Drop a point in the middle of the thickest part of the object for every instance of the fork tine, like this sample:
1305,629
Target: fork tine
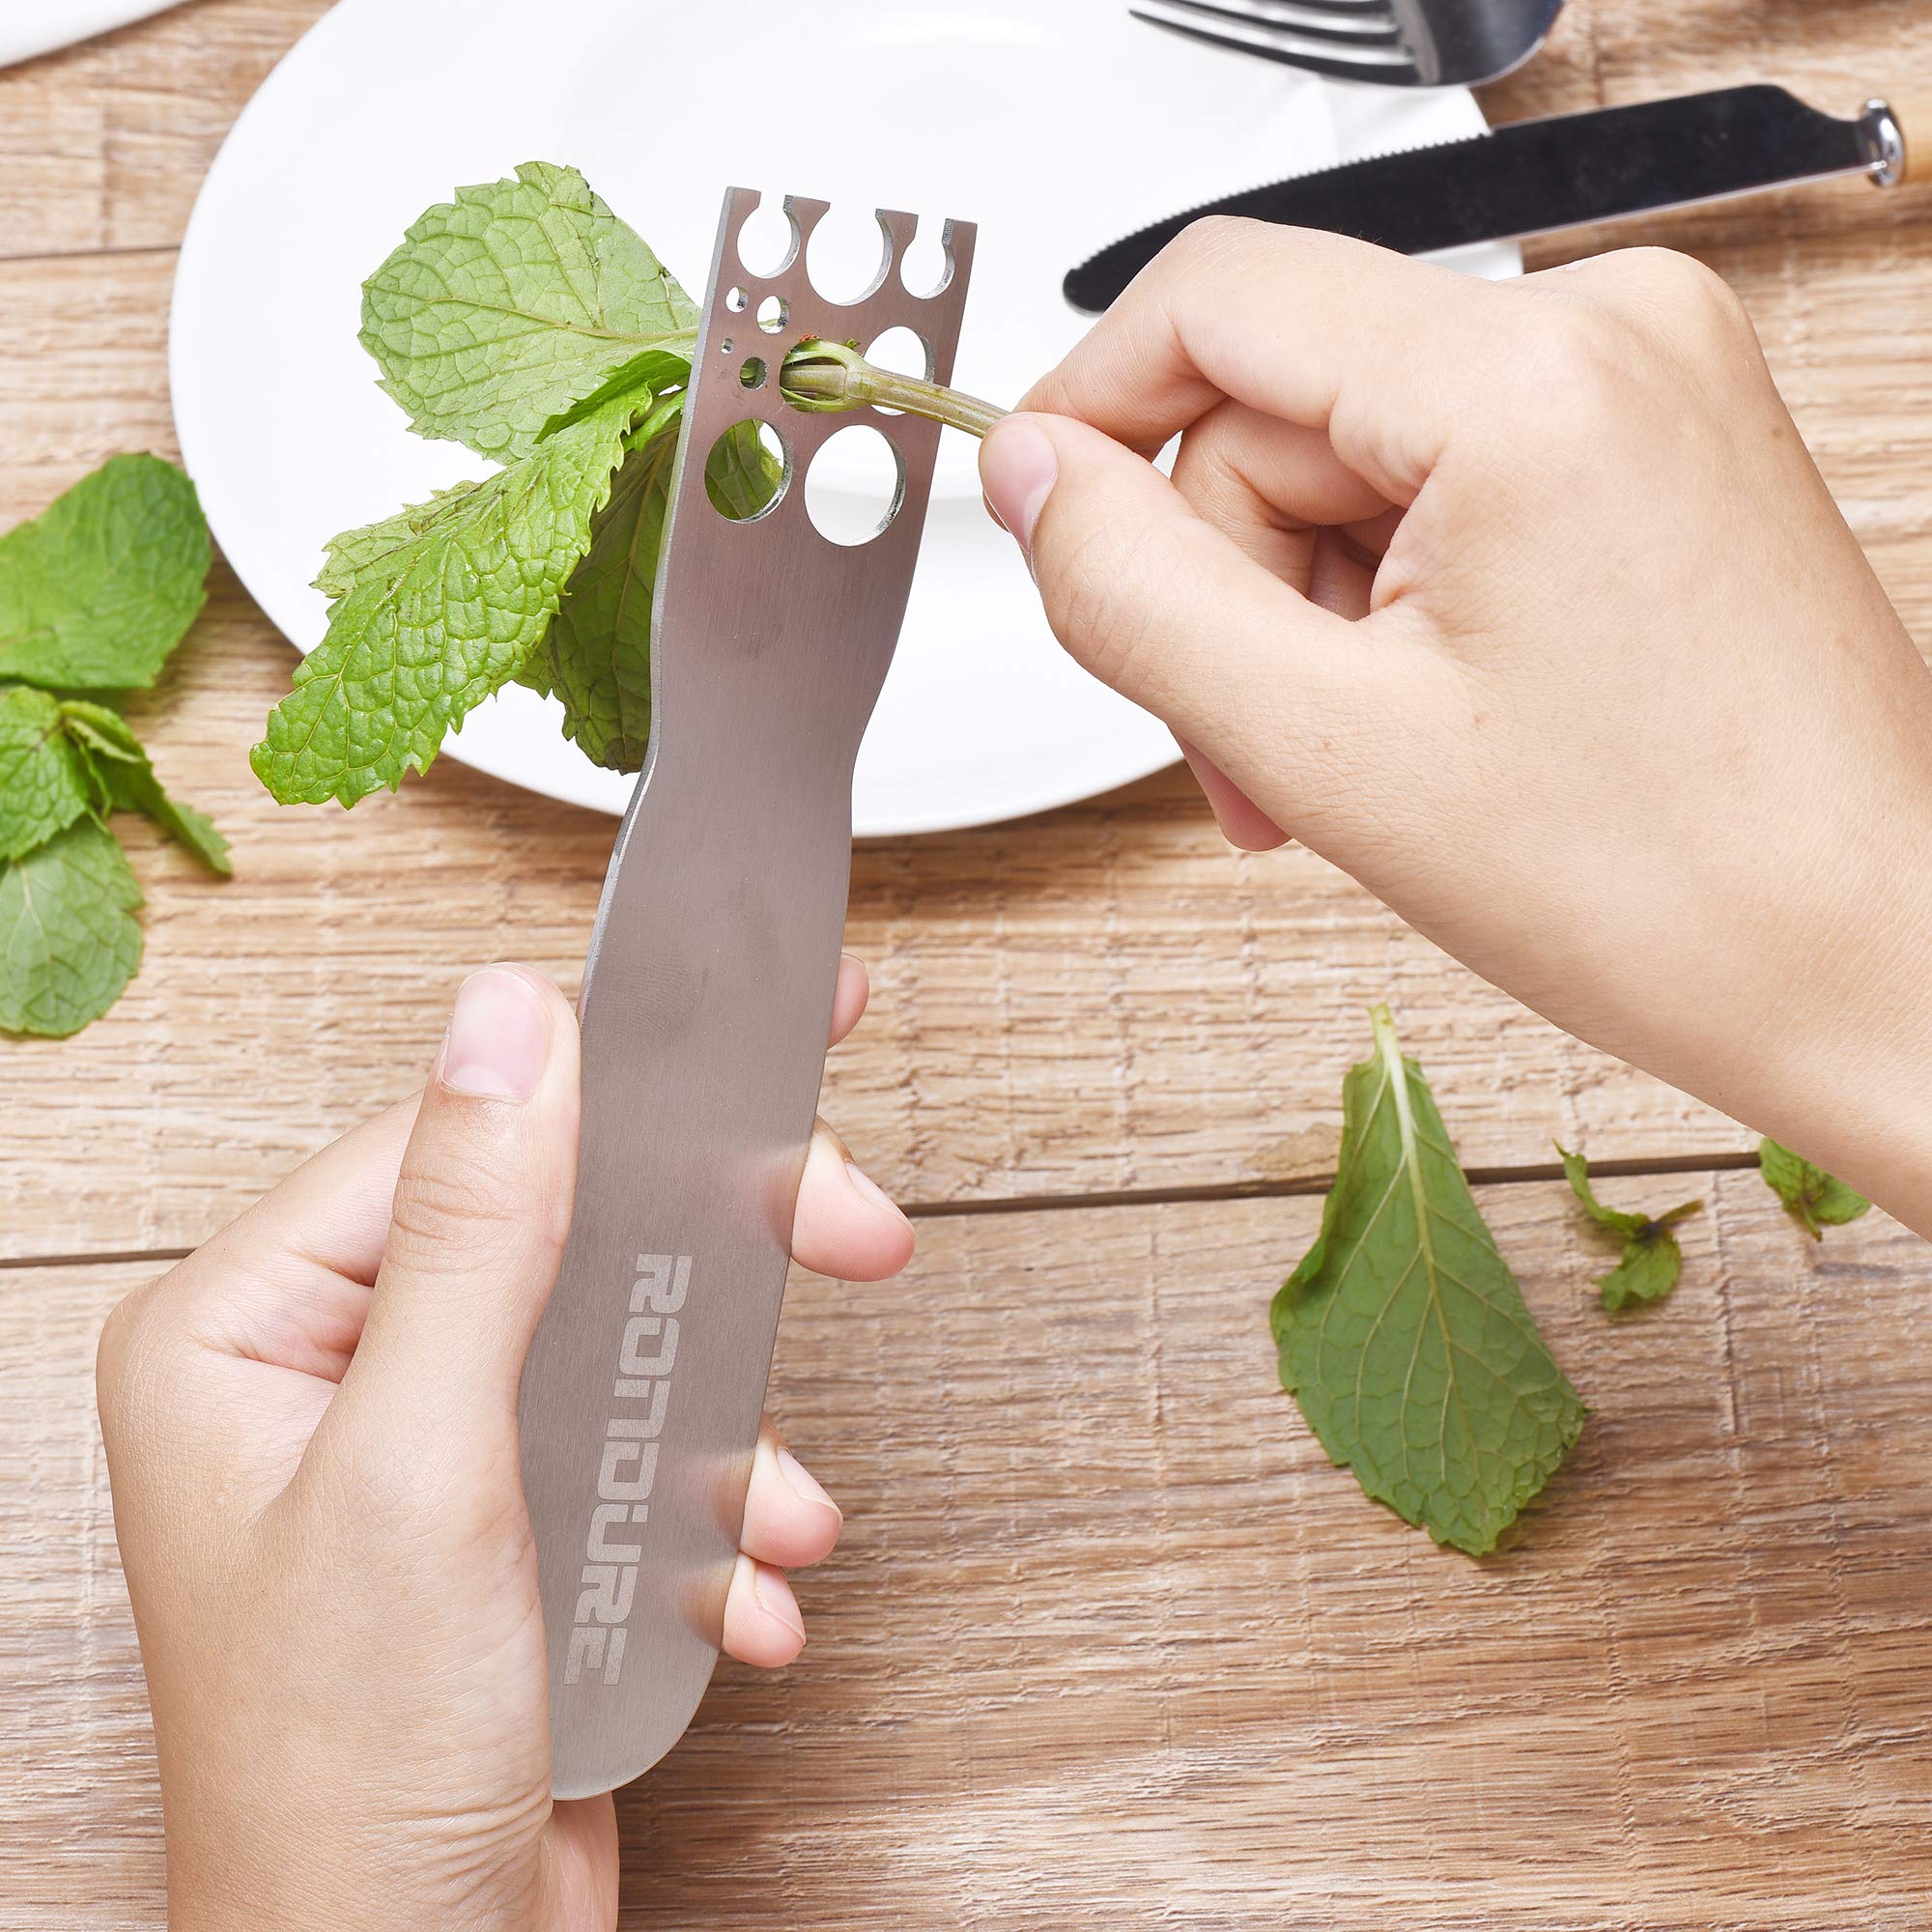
1371,24
1385,64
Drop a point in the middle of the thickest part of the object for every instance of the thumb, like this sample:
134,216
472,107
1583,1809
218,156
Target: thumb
482,1208
1156,602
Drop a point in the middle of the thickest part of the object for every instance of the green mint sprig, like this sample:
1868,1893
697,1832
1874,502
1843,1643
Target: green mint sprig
526,321
95,594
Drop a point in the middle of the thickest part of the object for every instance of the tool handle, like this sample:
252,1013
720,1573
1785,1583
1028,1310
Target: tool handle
704,1012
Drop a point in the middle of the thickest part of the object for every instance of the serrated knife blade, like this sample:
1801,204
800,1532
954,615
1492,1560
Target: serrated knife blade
1532,176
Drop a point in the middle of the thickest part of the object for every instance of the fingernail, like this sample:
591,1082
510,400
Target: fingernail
775,1600
868,1189
499,1038
803,1484
1019,469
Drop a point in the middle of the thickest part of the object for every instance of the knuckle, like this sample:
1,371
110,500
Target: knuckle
1578,365
140,1357
1089,601
1676,283
470,1209
1683,311
1213,237
1209,249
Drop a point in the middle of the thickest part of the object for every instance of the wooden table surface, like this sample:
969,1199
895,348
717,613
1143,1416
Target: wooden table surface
1107,1642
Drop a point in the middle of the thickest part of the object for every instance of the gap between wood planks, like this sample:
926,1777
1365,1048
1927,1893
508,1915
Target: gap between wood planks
1133,1197
120,250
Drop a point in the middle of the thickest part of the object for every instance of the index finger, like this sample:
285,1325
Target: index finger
1382,352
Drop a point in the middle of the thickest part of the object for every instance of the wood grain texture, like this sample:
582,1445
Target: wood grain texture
1108,1642
1101,1000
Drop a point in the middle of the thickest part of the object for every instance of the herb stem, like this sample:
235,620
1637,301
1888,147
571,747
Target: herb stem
830,376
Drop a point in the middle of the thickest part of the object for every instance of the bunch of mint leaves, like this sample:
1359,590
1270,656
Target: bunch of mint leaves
1403,1337
524,321
95,594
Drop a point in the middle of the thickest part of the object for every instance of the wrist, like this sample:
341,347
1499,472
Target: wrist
1834,1055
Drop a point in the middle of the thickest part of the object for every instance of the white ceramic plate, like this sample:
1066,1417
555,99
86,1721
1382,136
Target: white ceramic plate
1057,128
31,27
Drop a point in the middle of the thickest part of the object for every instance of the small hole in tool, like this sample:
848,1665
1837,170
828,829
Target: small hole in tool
773,312
751,370
747,470
735,301
726,346
768,239
928,264
855,485
903,350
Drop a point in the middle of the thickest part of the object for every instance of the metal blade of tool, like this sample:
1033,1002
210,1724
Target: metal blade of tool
707,996
1530,177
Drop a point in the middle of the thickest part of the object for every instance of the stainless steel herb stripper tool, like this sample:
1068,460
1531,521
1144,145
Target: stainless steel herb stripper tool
707,996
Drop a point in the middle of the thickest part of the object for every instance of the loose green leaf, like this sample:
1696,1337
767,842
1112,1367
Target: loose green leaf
126,779
1652,1260
1814,1199
516,301
68,941
1647,1273
44,784
98,588
427,624
1403,1334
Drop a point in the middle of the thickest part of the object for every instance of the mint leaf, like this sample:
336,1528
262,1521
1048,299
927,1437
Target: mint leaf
1814,1199
68,942
97,589
44,784
1652,1260
512,302
1647,1273
597,655
1403,1334
742,475
347,557
1576,1171
426,626
124,776
643,375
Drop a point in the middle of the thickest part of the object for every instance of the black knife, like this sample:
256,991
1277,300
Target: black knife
1530,177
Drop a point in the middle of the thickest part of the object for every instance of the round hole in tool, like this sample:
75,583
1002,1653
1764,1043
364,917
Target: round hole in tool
773,312
746,472
855,485
751,370
903,350
735,301
724,347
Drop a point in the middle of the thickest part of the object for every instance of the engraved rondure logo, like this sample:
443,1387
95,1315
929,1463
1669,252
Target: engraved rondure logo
627,1469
